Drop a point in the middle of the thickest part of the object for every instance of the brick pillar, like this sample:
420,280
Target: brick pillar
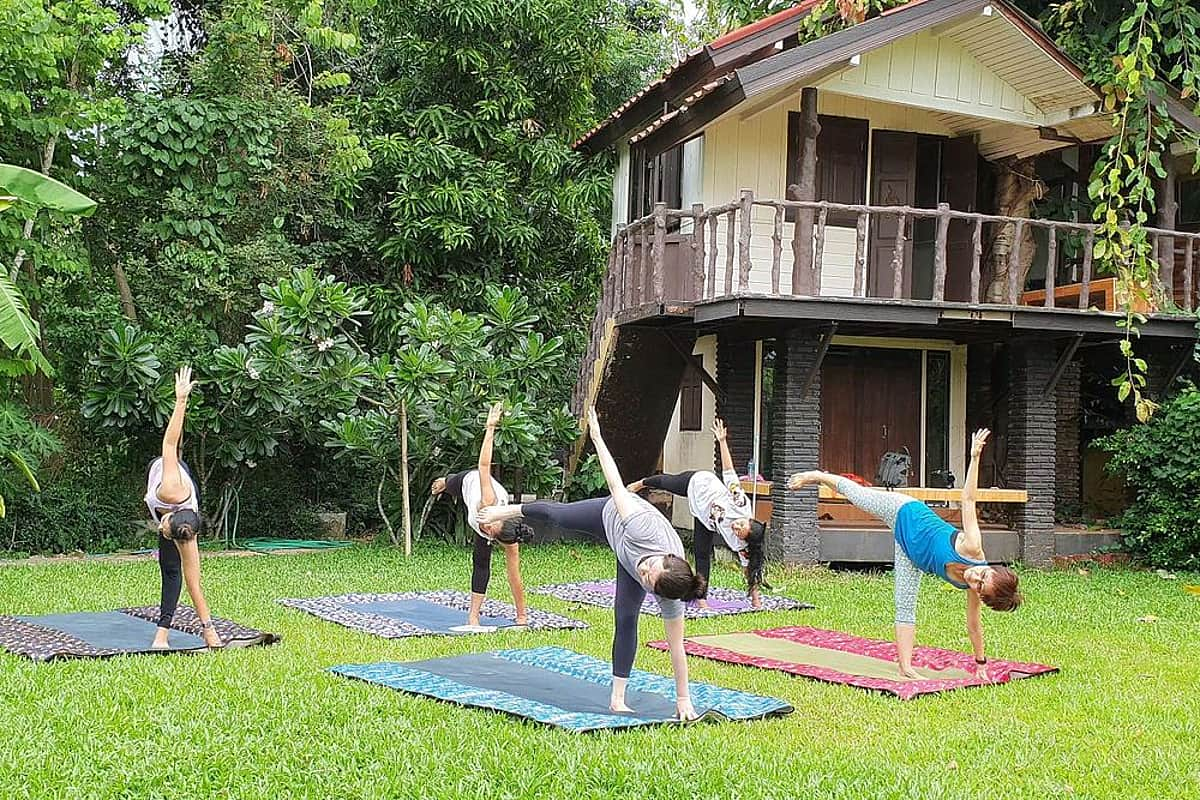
794,536
1068,457
1032,443
735,375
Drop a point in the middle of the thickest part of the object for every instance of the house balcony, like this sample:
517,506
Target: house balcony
878,255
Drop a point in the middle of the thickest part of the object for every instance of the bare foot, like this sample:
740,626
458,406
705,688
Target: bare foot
702,603
522,620
620,708
636,486
473,620
908,672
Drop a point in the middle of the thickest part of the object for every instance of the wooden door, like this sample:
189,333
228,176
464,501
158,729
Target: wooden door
893,183
870,404
960,167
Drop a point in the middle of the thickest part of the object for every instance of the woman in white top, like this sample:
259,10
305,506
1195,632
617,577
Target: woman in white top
477,488
718,505
174,504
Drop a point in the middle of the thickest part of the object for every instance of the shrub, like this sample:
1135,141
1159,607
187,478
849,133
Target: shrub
1160,461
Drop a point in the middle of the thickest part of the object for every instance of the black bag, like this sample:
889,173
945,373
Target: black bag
893,469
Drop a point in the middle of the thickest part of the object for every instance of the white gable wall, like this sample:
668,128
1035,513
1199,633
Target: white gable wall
752,154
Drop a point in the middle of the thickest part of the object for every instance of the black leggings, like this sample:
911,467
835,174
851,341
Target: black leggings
171,568
587,517
481,565
702,537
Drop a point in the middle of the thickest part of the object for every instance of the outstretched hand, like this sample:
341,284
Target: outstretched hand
493,417
801,479
685,710
183,383
593,421
438,486
979,440
636,487
718,430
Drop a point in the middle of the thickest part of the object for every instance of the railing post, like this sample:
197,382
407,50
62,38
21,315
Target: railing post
1014,263
643,259
898,258
819,250
1187,273
860,253
939,252
697,251
1051,265
776,249
1166,265
710,289
660,245
730,248
626,262
976,256
1085,289
747,229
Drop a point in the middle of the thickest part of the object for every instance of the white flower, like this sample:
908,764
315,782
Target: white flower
324,345
251,464
252,372
268,308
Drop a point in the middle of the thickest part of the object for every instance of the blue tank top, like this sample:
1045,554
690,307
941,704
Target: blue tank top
928,540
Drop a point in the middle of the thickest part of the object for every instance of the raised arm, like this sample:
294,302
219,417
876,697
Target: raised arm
972,539
722,437
975,631
487,496
173,488
622,497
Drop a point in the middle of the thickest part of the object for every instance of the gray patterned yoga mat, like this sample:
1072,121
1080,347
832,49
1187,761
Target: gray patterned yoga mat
91,634
437,613
721,601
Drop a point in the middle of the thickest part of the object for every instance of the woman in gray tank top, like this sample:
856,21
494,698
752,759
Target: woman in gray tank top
649,558
174,503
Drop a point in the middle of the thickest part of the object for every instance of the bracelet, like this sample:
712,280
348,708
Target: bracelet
981,661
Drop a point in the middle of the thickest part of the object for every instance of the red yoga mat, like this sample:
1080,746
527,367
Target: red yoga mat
843,658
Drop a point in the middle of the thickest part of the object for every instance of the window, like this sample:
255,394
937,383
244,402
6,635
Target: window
658,179
841,162
691,401
1189,204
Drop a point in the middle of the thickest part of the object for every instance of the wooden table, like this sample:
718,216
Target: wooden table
1102,293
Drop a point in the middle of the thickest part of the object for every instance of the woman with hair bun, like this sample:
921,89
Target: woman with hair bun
174,503
476,488
649,559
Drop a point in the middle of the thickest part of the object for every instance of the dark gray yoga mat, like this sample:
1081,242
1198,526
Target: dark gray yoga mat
433,616
112,630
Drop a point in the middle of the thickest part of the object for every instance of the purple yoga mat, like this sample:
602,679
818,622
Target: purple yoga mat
721,601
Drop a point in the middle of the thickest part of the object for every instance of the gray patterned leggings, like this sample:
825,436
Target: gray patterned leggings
886,506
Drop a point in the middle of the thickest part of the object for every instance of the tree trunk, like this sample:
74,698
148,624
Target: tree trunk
127,305
1016,189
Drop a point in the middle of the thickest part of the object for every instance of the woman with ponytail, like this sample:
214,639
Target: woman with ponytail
649,559
718,505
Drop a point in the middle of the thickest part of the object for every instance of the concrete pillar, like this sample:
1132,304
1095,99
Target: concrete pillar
1032,447
735,375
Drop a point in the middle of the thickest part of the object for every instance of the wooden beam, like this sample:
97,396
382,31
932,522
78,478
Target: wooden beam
822,349
946,495
1186,354
805,189
697,363
1067,354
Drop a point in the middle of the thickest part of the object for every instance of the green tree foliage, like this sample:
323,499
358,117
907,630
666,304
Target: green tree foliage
1160,462
470,107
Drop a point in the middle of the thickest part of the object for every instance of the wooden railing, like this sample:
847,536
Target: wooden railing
698,254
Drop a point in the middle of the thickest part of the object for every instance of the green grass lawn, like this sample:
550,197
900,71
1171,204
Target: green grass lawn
1122,719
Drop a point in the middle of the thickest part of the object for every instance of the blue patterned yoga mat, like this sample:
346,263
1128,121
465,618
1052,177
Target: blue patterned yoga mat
402,614
557,687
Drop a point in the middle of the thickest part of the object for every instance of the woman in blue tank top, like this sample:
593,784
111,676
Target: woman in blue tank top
927,543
